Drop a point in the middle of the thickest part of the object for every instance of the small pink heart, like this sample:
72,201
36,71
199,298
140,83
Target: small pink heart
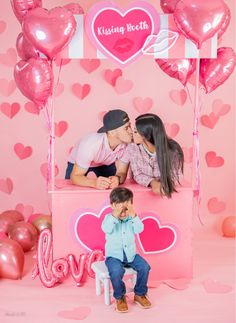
26,210
7,88
23,152
59,89
101,115
9,58
142,105
78,313
179,284
10,110
215,287
60,128
44,170
219,108
111,76
123,86
90,65
212,160
81,90
61,61
188,154
172,129
178,97
32,107
6,185
3,26
215,206
209,120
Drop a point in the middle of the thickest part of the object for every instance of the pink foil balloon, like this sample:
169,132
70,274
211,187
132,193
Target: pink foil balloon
49,31
75,8
168,6
11,259
229,226
215,71
199,20
14,214
34,78
225,25
77,270
96,255
60,268
21,7
24,233
5,223
24,48
181,69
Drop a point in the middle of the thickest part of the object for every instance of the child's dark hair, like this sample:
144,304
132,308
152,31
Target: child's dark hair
120,195
170,157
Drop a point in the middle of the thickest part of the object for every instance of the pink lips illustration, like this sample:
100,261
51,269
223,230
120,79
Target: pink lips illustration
123,45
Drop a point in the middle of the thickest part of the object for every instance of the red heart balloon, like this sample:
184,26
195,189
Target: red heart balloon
21,7
199,20
34,78
49,31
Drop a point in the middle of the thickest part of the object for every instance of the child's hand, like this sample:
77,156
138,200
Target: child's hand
117,209
130,209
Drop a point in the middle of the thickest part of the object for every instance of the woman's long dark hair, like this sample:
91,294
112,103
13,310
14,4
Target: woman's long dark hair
170,157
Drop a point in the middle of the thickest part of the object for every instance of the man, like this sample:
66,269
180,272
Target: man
102,153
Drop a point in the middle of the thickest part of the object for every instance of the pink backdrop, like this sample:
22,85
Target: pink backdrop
79,109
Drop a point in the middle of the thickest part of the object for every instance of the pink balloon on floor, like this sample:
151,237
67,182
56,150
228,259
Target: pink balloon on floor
13,214
21,7
5,223
229,227
25,234
11,259
42,222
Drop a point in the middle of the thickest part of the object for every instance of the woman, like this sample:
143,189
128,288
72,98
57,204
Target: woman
155,160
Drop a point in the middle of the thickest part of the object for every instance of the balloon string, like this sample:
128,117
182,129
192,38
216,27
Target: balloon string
52,133
189,96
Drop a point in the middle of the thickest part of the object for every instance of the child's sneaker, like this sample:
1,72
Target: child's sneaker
142,301
121,305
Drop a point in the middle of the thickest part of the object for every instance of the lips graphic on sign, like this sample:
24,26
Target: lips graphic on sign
121,33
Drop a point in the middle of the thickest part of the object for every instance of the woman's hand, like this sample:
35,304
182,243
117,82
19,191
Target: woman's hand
156,186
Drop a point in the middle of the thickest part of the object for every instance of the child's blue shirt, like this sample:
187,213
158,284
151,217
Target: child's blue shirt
120,236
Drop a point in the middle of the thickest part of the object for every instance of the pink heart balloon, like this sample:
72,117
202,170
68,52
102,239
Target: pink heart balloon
49,31
24,48
199,20
215,71
11,259
21,7
181,69
34,78
168,6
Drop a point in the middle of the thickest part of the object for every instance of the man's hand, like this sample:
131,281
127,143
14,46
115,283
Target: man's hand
114,181
102,183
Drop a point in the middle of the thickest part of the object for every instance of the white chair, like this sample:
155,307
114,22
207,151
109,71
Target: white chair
102,278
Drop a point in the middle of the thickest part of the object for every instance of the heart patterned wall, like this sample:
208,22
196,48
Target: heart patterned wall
86,90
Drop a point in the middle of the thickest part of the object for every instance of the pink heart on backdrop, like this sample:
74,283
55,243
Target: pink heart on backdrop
9,58
59,89
123,86
96,237
111,76
132,26
32,107
81,90
22,151
219,108
209,120
90,65
7,88
61,61
26,210
10,110
101,115
155,237
44,170
3,26
142,105
60,128
215,287
212,160
215,206
6,185
78,313
172,129
178,97
188,154
179,284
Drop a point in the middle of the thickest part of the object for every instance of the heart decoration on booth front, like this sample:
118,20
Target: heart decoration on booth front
121,33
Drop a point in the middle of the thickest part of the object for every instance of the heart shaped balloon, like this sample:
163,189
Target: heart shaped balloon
25,49
49,31
215,71
181,69
21,7
168,6
200,20
34,78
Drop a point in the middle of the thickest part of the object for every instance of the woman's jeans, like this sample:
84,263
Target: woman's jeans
104,170
116,271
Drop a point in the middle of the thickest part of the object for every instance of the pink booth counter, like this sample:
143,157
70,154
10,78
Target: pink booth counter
77,214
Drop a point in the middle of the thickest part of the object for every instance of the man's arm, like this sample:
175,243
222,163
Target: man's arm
121,174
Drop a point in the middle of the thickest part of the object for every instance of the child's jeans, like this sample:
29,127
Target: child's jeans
116,271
